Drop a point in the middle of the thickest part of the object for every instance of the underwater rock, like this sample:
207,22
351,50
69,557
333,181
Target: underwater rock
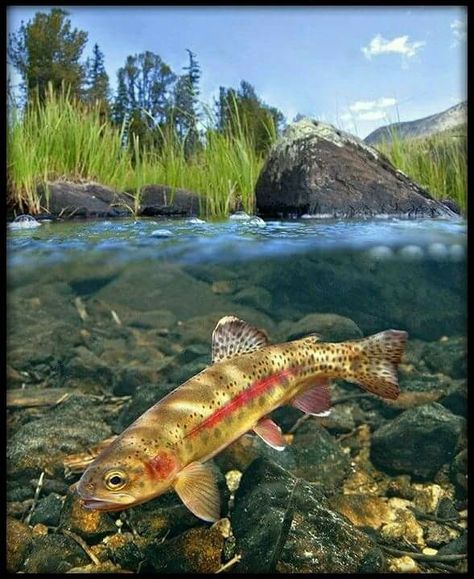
48,510
331,328
41,445
255,297
283,524
317,169
19,538
90,524
54,553
126,550
69,199
164,200
447,356
195,551
362,510
418,442
458,546
458,472
318,456
89,370
456,398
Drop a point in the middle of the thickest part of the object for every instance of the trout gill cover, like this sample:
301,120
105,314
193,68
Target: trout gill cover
167,447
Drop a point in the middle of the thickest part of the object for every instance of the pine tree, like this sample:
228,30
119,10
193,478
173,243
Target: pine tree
47,50
97,87
186,113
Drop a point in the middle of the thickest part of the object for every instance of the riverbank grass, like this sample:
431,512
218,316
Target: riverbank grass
64,139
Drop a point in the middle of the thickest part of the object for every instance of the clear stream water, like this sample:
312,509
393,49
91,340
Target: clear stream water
379,272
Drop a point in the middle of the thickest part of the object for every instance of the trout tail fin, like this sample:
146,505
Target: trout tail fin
375,367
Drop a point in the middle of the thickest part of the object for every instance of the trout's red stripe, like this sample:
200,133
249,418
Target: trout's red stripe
241,399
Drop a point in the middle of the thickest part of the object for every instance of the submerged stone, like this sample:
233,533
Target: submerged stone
284,524
41,445
418,442
54,553
19,538
331,328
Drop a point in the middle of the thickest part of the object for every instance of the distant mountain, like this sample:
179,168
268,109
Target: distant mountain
425,127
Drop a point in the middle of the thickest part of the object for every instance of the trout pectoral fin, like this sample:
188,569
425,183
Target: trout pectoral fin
316,401
233,337
196,486
270,433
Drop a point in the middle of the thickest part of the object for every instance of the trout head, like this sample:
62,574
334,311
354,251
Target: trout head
122,477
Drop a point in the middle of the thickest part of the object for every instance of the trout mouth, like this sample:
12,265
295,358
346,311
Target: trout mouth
118,503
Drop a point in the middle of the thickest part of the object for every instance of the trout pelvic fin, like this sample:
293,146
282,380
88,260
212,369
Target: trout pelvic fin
375,367
315,401
197,488
270,433
233,337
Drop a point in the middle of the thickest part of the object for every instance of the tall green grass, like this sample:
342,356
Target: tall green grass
438,163
64,139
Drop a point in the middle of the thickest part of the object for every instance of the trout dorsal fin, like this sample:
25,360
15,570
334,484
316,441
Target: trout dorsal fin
233,337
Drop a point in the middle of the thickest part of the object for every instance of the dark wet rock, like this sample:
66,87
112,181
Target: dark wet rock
164,287
54,553
255,297
319,457
164,200
89,370
446,509
69,199
48,510
41,445
126,550
194,352
435,534
19,538
458,472
330,327
456,399
284,524
400,486
90,524
317,169
448,356
426,382
51,486
136,374
418,442
456,547
195,551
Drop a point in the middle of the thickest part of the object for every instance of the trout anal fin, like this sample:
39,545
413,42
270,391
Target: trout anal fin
270,433
233,337
197,488
315,401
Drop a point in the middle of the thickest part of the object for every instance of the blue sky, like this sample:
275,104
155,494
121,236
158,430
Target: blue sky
356,67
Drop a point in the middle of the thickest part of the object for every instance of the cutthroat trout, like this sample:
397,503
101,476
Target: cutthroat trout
167,447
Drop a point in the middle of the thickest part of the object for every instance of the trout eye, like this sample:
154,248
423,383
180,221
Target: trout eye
115,480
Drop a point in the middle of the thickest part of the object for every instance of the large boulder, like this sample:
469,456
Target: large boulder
68,199
318,169
163,200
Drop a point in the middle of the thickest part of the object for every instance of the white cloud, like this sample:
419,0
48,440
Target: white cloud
371,116
380,103
399,45
459,30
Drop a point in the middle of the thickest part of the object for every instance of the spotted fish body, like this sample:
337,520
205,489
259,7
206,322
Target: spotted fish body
168,445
